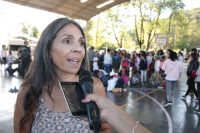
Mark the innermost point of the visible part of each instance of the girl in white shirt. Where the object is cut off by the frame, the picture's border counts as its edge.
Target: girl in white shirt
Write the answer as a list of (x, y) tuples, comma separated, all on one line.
[(172, 69)]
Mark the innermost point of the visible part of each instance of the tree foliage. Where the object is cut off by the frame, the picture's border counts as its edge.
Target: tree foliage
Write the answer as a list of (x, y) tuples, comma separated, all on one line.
[(30, 30), (24, 28), (35, 32), (110, 29), (146, 22), (174, 6)]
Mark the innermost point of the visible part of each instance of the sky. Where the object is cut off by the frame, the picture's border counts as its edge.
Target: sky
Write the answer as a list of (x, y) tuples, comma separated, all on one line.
[(12, 15), (189, 4)]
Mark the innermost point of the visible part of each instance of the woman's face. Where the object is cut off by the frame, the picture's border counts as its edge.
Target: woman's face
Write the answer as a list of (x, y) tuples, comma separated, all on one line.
[(68, 50)]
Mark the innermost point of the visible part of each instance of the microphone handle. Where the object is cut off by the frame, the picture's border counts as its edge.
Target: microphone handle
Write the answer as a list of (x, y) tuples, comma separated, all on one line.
[(93, 116), (91, 108)]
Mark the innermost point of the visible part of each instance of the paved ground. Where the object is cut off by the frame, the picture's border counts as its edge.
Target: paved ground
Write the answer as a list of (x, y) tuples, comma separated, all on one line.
[(143, 103)]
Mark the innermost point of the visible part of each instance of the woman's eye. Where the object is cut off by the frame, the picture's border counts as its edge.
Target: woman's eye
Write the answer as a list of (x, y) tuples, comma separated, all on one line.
[(83, 43), (67, 41)]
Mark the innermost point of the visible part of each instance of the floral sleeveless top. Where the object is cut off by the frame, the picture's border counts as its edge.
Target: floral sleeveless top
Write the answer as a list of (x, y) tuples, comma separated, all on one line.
[(47, 121)]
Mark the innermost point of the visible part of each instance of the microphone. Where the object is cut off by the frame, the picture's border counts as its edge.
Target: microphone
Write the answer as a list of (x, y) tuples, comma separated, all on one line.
[(86, 83)]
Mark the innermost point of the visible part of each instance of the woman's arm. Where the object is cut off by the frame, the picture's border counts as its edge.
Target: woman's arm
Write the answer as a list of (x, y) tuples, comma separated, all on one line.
[(115, 116)]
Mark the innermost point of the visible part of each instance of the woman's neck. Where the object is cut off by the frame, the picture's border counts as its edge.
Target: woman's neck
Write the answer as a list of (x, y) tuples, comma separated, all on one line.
[(69, 77)]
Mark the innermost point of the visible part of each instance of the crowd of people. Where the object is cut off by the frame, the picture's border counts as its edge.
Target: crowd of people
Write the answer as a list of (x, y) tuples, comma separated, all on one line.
[(126, 69), (161, 68)]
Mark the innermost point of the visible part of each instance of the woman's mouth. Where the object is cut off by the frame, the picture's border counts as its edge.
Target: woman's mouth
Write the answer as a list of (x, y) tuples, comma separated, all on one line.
[(73, 61)]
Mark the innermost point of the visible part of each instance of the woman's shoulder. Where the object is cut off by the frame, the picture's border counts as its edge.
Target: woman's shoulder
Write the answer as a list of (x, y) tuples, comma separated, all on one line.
[(20, 97), (22, 91)]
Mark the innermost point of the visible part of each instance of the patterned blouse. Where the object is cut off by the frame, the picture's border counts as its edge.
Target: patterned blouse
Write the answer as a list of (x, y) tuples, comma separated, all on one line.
[(47, 121)]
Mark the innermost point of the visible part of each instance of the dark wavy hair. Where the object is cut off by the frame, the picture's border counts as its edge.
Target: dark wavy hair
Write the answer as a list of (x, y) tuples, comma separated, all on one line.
[(41, 71), (173, 55)]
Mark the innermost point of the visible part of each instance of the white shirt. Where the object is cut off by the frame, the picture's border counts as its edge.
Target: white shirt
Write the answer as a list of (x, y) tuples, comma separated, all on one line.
[(172, 69), (180, 58), (137, 62), (3, 53), (9, 59), (107, 58), (112, 83), (149, 59), (157, 65), (95, 64)]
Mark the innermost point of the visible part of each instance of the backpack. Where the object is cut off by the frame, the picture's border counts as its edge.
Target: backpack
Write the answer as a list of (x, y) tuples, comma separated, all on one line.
[(125, 63)]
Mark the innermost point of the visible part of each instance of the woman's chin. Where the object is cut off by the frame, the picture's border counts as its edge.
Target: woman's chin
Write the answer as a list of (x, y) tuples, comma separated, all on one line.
[(72, 71)]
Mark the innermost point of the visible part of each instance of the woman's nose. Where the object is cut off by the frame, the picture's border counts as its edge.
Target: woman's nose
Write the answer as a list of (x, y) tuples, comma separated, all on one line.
[(77, 49)]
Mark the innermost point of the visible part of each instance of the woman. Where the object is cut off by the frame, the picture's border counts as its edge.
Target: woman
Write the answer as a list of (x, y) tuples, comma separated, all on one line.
[(59, 56), (172, 69), (192, 67)]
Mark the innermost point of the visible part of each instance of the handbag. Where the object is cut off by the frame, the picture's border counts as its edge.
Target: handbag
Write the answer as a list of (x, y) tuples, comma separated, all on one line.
[(193, 74)]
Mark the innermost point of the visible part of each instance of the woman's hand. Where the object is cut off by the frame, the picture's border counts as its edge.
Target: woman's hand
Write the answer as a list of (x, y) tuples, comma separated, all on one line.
[(103, 104), (115, 116), (104, 109)]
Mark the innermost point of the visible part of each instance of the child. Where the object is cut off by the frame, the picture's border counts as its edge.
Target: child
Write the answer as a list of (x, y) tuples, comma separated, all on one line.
[(103, 76), (135, 77)]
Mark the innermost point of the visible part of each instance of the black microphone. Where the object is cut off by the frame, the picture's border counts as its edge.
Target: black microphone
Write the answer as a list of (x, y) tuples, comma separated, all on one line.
[(86, 83)]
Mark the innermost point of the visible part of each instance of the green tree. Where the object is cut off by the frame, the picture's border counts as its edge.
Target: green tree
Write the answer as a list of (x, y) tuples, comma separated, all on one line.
[(95, 31), (146, 22), (186, 29), (174, 6), (24, 28), (109, 28), (87, 29), (35, 32), (117, 26)]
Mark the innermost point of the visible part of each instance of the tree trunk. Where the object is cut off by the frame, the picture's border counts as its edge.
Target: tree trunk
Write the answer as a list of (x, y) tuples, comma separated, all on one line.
[(169, 31)]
